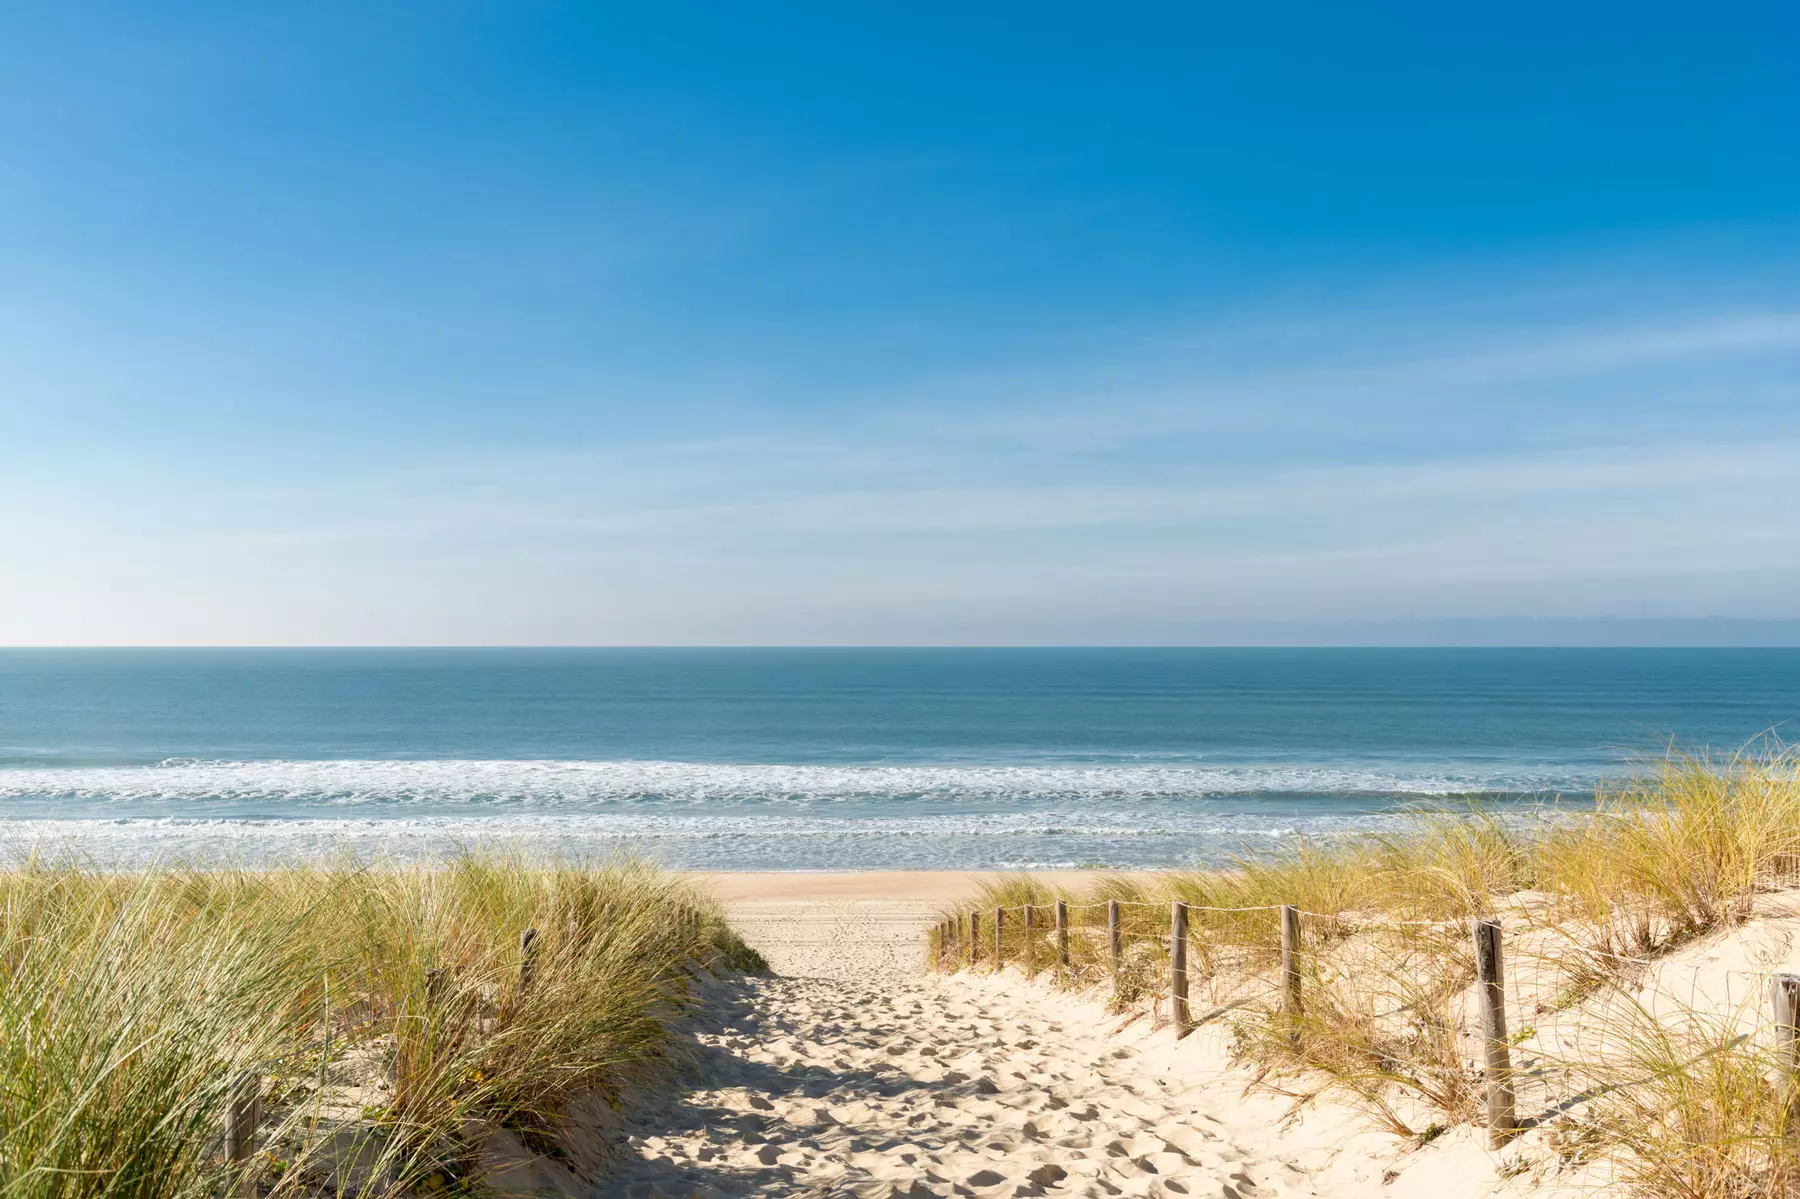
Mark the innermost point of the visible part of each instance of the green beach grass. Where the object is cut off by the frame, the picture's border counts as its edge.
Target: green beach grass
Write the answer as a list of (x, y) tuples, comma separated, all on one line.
[(383, 1009)]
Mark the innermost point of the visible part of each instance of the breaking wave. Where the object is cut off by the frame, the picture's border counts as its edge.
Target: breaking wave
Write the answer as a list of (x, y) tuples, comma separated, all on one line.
[(600, 785)]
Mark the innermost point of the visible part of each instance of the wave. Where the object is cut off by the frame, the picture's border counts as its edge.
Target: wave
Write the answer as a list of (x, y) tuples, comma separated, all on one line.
[(604, 784)]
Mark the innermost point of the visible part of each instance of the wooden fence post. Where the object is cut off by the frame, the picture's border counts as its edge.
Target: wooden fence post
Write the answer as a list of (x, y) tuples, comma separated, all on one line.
[(1290, 968), (240, 1131), (1062, 939), (527, 959), (1489, 972), (974, 946), (1030, 948), (1784, 996), (999, 932), (1114, 937), (1178, 972)]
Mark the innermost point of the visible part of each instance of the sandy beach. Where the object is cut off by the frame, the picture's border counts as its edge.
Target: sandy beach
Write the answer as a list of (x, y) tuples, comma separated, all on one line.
[(845, 924), (850, 1071)]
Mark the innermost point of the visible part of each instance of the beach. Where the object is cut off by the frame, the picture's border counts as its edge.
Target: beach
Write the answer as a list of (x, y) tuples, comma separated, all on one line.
[(1323, 1024), (742, 939), (844, 924), (854, 1072), (899, 602)]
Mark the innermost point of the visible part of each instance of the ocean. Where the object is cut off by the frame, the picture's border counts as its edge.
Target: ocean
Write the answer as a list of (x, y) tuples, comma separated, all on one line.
[(816, 759)]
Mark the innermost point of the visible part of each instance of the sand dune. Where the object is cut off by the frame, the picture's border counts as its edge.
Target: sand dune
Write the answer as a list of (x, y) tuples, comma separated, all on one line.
[(855, 1074)]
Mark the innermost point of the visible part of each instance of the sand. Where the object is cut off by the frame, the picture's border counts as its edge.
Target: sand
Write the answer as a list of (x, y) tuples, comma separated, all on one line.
[(842, 925), (850, 1072)]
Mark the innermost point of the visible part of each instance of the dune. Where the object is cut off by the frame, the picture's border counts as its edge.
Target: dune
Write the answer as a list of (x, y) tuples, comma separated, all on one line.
[(1344, 1031), (852, 1071)]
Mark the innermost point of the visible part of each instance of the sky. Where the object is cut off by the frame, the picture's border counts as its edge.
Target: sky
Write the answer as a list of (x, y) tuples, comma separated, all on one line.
[(899, 324)]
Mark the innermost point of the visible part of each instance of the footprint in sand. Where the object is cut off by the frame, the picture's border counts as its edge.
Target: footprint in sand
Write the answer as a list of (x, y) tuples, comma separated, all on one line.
[(878, 1084)]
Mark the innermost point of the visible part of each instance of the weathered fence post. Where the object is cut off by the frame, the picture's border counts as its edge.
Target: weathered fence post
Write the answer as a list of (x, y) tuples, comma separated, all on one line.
[(527, 959), (1502, 1124), (240, 1131), (999, 932), (1114, 938), (1062, 939), (1178, 972), (1290, 968), (1784, 996), (974, 946), (1030, 948)]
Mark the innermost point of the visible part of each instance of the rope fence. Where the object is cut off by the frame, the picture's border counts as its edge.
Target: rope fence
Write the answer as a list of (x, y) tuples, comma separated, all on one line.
[(1431, 1005)]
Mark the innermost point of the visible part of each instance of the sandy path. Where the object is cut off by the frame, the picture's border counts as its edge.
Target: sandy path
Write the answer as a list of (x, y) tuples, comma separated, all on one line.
[(922, 1087), (855, 1074)]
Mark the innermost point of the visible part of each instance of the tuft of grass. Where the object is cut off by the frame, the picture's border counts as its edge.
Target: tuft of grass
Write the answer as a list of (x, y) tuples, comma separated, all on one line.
[(1695, 1109), (1667, 859), (1382, 1027)]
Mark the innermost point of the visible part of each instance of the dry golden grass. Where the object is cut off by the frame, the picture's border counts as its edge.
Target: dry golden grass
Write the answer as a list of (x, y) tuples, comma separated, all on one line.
[(1587, 894), (1698, 1111)]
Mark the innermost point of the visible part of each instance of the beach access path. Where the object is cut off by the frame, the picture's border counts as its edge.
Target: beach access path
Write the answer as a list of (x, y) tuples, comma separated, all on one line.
[(849, 1071)]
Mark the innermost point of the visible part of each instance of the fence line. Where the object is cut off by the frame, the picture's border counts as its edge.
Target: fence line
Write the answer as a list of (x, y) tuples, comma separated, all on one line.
[(1491, 1074)]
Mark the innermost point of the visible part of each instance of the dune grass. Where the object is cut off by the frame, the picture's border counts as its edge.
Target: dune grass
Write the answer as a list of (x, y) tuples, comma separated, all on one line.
[(383, 1009), (1587, 895), (1699, 1111)]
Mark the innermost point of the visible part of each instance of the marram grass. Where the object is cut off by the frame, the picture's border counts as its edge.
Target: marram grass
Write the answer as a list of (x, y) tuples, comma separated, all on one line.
[(1682, 1105), (383, 1008)]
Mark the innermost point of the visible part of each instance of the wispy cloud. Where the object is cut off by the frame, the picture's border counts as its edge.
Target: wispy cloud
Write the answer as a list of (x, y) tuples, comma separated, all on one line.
[(1158, 489)]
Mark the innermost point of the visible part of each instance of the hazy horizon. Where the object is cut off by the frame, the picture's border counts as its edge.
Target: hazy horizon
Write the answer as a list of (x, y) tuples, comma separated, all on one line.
[(1526, 633)]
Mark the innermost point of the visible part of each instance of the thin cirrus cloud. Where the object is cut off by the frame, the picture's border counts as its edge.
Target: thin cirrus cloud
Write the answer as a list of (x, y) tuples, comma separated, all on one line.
[(899, 523)]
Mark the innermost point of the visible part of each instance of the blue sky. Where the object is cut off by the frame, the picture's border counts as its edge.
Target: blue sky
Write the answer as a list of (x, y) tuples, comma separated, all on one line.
[(732, 324)]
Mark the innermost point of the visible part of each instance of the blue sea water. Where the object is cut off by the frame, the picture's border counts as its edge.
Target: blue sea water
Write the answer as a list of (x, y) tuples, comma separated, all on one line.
[(801, 759)]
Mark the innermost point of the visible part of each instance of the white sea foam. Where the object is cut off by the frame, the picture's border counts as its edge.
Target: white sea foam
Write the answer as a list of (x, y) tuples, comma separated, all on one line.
[(598, 785), (707, 815), (1010, 840)]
